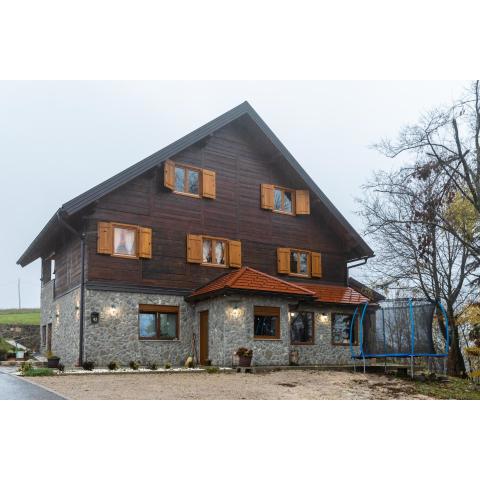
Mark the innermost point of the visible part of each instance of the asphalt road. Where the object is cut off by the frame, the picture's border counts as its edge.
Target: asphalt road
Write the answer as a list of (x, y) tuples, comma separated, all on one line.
[(13, 388)]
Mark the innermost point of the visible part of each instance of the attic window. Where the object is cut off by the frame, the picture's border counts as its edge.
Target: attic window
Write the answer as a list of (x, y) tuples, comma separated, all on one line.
[(125, 241), (187, 180), (283, 200)]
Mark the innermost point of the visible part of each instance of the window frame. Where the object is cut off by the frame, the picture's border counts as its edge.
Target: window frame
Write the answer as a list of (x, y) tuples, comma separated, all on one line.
[(312, 341), (159, 309), (214, 240), (355, 330), (186, 169), (259, 310), (283, 190), (44, 335), (309, 264), (125, 226)]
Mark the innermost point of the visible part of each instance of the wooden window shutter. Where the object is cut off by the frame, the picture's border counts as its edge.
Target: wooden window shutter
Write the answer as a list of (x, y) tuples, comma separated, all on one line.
[(235, 253), (316, 264), (208, 184), (145, 242), (283, 260), (302, 202), (169, 174), (105, 239), (194, 248), (267, 196)]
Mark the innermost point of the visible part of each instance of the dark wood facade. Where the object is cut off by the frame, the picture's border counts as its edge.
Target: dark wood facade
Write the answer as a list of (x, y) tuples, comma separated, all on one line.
[(242, 163)]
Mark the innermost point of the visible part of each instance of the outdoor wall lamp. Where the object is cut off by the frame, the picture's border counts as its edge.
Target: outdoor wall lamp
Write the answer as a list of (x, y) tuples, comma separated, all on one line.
[(236, 310), (94, 317), (113, 310)]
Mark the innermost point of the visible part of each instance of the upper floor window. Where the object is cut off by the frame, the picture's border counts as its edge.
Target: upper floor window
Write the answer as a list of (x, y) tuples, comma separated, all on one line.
[(122, 240), (296, 262), (214, 252), (283, 200), (188, 180)]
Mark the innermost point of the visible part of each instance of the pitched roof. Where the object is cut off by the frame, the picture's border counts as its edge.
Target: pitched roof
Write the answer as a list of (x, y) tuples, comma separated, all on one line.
[(335, 294), (251, 280), (78, 203)]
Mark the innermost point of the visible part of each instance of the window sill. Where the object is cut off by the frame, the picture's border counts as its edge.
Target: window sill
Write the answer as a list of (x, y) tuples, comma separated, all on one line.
[(156, 340), (302, 344), (131, 257), (267, 339), (186, 194), (284, 213), (215, 265), (299, 275)]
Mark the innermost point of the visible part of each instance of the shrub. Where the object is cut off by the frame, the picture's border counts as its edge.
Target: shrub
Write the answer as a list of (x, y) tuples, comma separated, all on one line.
[(61, 367), (208, 363), (212, 370), (113, 366), (134, 365), (244, 352), (25, 367), (39, 372), (153, 366), (89, 365), (189, 362), (168, 366)]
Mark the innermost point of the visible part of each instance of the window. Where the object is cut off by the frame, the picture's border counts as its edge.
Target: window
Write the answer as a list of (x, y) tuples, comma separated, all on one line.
[(299, 263), (301, 328), (158, 322), (283, 200), (187, 180), (214, 251), (44, 335), (125, 241), (266, 323), (341, 329)]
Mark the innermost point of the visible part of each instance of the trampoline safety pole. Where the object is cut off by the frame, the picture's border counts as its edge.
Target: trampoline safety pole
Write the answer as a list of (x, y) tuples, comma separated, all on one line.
[(412, 337)]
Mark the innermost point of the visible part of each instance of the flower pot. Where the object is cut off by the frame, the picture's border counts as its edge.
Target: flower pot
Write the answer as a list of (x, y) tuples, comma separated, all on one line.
[(53, 362), (244, 361)]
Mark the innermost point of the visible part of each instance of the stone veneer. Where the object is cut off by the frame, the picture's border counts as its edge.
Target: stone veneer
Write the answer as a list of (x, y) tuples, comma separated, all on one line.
[(115, 337)]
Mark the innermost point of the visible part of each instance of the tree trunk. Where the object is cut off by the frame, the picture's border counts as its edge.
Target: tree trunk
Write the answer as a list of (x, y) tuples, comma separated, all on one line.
[(455, 362)]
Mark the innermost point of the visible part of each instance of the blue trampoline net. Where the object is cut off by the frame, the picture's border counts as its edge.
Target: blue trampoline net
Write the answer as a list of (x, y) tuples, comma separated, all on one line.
[(399, 328)]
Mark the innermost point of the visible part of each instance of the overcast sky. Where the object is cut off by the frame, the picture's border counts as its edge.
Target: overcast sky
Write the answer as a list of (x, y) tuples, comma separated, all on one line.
[(57, 139)]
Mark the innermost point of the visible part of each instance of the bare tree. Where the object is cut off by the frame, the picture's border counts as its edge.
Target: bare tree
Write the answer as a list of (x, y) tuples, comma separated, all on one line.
[(414, 253), (446, 144)]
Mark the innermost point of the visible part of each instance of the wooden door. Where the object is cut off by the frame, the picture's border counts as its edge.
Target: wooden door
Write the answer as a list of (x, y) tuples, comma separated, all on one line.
[(203, 337), (49, 337)]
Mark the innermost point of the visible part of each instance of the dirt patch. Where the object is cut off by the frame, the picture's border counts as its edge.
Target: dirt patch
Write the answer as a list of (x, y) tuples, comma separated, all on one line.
[(282, 385)]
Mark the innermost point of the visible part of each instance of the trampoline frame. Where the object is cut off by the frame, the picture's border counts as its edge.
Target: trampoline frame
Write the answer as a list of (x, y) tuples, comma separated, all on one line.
[(363, 356)]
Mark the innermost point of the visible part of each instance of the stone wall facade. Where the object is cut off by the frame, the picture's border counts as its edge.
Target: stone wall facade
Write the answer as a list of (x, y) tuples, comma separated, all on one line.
[(116, 336)]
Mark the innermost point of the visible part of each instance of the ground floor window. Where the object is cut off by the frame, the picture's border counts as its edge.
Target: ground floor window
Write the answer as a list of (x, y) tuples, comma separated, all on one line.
[(341, 329), (301, 328), (266, 323), (158, 322)]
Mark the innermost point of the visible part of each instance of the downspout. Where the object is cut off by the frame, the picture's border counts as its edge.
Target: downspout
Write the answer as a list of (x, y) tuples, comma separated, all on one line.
[(82, 237), (361, 260)]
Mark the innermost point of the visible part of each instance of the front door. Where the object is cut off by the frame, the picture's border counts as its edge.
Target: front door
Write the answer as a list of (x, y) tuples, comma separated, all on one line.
[(203, 337)]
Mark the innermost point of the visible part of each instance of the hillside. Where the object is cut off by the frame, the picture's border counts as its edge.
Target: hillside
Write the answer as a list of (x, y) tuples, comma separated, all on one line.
[(25, 316)]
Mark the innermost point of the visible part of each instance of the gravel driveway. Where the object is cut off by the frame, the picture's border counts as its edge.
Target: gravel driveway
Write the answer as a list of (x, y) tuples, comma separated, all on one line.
[(281, 385)]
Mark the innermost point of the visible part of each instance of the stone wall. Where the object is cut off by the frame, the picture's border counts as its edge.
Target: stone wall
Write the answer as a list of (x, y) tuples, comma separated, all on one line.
[(27, 335), (115, 336), (64, 315)]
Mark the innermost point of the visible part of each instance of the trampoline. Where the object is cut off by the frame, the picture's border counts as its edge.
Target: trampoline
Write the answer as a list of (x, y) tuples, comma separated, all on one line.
[(399, 328)]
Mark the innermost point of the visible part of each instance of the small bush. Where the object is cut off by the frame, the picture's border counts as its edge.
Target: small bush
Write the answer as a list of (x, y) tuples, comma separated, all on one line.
[(152, 366), (61, 367), (134, 365), (212, 370), (113, 366), (89, 365), (39, 372), (208, 363), (25, 367), (167, 366)]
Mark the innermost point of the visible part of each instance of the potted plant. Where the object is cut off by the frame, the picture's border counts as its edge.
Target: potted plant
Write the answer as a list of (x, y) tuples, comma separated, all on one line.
[(244, 356), (52, 360)]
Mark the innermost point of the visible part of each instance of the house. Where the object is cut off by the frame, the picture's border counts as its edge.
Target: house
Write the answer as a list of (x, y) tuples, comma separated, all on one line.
[(218, 241)]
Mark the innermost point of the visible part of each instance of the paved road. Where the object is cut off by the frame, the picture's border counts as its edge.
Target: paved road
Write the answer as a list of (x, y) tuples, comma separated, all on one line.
[(13, 388)]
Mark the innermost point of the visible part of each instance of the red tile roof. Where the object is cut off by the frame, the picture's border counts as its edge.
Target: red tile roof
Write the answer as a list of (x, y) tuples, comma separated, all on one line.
[(247, 278), (335, 294)]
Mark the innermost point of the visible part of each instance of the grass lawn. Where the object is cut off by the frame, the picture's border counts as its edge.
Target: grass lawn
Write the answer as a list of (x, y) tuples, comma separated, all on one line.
[(26, 316), (454, 389)]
